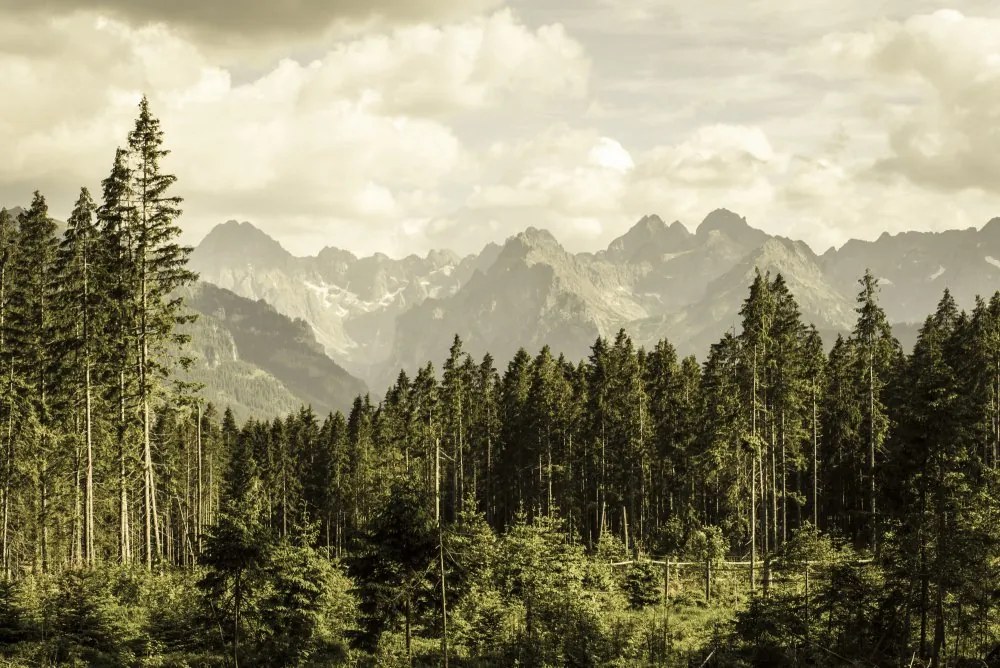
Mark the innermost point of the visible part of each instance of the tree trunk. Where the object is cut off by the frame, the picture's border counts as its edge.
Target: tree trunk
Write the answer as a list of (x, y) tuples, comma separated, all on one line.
[(88, 490), (815, 466), (409, 613), (784, 484), (753, 520), (199, 511), (871, 444)]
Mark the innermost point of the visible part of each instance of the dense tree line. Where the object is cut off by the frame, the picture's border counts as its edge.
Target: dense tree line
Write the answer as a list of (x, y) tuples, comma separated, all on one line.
[(475, 512)]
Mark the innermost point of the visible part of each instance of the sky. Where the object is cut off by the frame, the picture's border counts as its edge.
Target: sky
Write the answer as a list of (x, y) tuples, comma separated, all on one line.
[(404, 125)]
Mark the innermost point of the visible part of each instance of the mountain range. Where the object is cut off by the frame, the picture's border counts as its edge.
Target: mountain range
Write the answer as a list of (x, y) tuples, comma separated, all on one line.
[(375, 315)]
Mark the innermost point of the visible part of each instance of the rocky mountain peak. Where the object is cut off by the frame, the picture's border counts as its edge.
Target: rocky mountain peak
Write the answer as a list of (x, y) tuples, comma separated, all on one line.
[(536, 237), (649, 240), (235, 241), (442, 258), (733, 226)]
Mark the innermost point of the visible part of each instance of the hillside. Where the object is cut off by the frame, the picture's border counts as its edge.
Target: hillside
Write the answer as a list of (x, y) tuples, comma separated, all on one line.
[(260, 362)]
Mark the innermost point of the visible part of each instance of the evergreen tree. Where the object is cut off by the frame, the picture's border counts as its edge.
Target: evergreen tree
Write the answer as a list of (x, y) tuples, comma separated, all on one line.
[(237, 548), (8, 407), (394, 565), (116, 269), (34, 335), (159, 270), (82, 305), (878, 354)]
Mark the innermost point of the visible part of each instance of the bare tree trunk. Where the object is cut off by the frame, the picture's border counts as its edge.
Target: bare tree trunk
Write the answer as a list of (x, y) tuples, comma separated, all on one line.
[(753, 519), (43, 515), (77, 548), (199, 516), (815, 466), (871, 443), (88, 490), (784, 484), (9, 474)]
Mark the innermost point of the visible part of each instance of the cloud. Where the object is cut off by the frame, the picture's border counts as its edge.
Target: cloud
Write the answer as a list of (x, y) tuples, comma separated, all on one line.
[(341, 149), (586, 187), (429, 70), (938, 77), (257, 17)]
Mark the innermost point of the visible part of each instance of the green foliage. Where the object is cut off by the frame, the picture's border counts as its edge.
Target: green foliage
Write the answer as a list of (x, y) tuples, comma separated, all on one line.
[(643, 584), (706, 544), (476, 512), (305, 609), (394, 564), (88, 623)]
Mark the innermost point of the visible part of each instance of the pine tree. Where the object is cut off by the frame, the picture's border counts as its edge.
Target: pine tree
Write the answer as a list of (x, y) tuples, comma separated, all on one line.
[(879, 353), (485, 430), (788, 387), (726, 447), (844, 457), (82, 307), (814, 368), (159, 270), (455, 405), (238, 547), (116, 269), (34, 330), (8, 411), (393, 564)]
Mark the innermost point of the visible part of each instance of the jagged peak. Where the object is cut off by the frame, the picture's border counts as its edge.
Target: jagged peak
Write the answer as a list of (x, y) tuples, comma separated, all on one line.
[(733, 226), (334, 254), (648, 239), (723, 220), (441, 257), (232, 228), (650, 222), (535, 236)]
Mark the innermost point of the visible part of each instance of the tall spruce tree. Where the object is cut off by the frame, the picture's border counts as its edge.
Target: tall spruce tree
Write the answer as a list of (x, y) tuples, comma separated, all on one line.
[(34, 331), (8, 412), (83, 306), (116, 269), (160, 268), (878, 355)]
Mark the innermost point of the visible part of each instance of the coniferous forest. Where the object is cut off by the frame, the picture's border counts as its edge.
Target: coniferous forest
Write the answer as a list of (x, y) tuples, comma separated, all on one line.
[(781, 502)]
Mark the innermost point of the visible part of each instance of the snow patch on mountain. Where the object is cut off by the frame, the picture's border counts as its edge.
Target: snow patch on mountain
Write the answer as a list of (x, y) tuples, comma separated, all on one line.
[(992, 260)]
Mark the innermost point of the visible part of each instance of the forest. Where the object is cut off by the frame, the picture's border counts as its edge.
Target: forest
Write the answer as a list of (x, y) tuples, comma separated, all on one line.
[(781, 502)]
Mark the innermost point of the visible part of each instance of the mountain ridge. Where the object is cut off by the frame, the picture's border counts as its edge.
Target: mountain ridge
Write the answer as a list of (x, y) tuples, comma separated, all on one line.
[(377, 314)]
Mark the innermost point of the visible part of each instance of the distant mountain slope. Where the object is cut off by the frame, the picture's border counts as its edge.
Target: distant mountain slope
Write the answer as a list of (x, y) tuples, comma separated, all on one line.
[(534, 293), (350, 302), (915, 267), (376, 314), (229, 381), (261, 361)]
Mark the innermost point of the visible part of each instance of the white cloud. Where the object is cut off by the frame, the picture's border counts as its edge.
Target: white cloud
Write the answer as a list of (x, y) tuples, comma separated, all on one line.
[(938, 77), (358, 140)]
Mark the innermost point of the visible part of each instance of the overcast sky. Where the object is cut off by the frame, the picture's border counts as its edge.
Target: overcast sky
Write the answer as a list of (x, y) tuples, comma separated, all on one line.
[(405, 125)]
